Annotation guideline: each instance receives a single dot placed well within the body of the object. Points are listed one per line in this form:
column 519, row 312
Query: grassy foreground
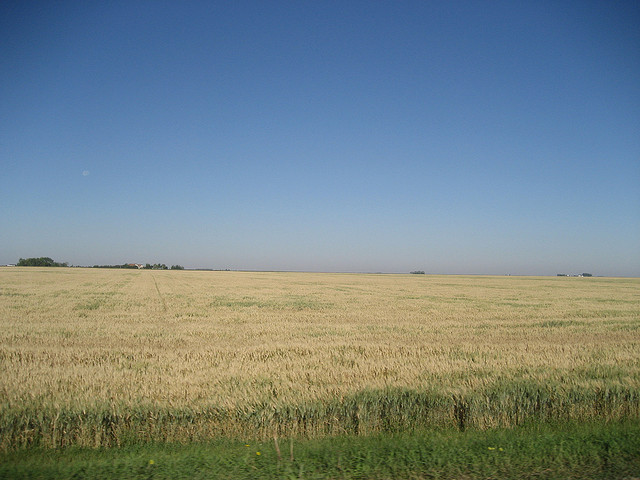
column 597, row 450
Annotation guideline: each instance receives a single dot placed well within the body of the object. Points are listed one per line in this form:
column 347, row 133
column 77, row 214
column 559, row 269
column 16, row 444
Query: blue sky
column 451, row 137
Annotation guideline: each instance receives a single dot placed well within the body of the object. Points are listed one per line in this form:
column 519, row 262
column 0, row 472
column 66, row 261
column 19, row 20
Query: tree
column 40, row 262
column 177, row 267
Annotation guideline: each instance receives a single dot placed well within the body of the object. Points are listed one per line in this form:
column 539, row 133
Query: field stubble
column 98, row 357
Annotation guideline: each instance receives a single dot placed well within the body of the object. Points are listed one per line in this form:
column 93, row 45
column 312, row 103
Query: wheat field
column 98, row 357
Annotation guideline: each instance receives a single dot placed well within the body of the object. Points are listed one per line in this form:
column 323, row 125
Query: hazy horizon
column 356, row 272
column 450, row 137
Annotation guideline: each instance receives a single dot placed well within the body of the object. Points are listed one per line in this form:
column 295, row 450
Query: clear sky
column 451, row 137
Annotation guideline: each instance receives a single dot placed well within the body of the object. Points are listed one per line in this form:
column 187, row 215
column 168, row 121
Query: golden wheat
column 92, row 356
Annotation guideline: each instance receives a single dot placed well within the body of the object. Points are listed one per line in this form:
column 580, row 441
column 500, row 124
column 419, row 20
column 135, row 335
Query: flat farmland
column 97, row 357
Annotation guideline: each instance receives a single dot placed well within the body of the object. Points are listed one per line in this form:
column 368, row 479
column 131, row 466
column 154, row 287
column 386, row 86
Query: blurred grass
column 595, row 450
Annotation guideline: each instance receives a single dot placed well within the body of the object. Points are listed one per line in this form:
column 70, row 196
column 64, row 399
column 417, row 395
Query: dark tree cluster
column 40, row 262
column 156, row 266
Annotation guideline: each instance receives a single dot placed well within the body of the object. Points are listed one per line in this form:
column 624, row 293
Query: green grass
column 593, row 450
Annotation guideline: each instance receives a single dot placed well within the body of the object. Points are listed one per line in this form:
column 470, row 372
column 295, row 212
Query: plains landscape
column 239, row 170
column 103, row 358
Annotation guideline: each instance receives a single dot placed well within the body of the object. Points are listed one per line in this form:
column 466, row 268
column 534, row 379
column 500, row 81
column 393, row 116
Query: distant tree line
column 49, row 262
column 148, row 266
column 575, row 275
column 156, row 266
column 418, row 272
column 124, row 265
column 162, row 266
column 40, row 262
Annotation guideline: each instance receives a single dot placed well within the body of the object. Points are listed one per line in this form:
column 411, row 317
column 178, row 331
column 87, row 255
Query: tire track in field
column 164, row 304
